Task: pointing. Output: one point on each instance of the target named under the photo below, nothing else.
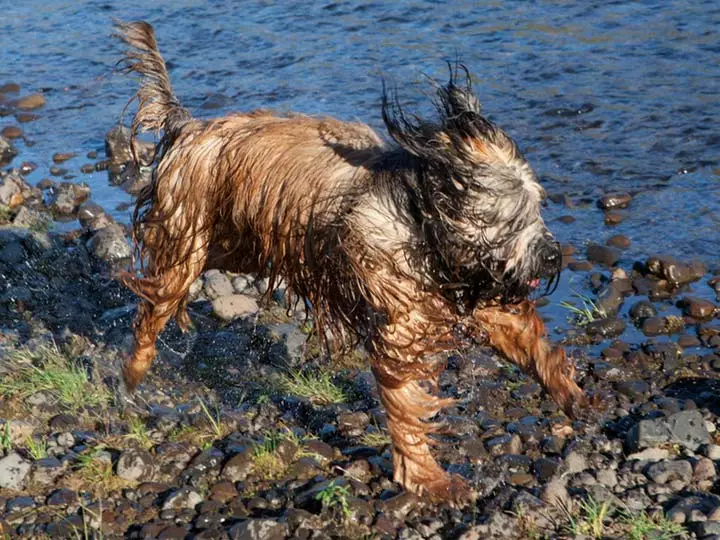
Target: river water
(602, 97)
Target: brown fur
(307, 200)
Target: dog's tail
(158, 108)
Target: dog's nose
(550, 255)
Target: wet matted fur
(411, 246)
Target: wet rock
(504, 444)
(603, 255)
(580, 266)
(135, 465)
(67, 197)
(239, 466)
(613, 218)
(110, 245)
(28, 218)
(615, 201)
(183, 498)
(13, 190)
(704, 469)
(217, 285)
(61, 157)
(686, 428)
(642, 310)
(122, 170)
(62, 497)
(608, 327)
(234, 306)
(13, 471)
(257, 529)
(11, 132)
(92, 217)
(400, 505)
(7, 151)
(697, 308)
(45, 471)
(611, 297)
(619, 241)
(676, 272)
(353, 424)
(664, 472)
(556, 494)
(31, 102)
(290, 340)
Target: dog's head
(478, 200)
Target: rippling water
(610, 96)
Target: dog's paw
(452, 490)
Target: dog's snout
(550, 256)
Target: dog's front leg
(409, 410)
(518, 333)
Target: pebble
(217, 285)
(62, 497)
(28, 103)
(666, 471)
(11, 132)
(109, 244)
(686, 428)
(613, 218)
(697, 308)
(606, 328)
(615, 201)
(61, 157)
(603, 255)
(182, 498)
(13, 471)
(234, 306)
(258, 529)
(239, 466)
(619, 241)
(135, 465)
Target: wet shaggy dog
(412, 246)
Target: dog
(412, 246)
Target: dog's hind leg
(518, 333)
(163, 295)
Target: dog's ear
(463, 139)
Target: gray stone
(12, 188)
(575, 462)
(257, 529)
(604, 255)
(135, 465)
(109, 244)
(30, 219)
(67, 197)
(13, 471)
(707, 528)
(242, 283)
(92, 217)
(183, 498)
(7, 151)
(555, 493)
(45, 471)
(650, 454)
(235, 306)
(239, 466)
(686, 428)
(217, 285)
(666, 471)
(607, 477)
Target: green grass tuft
(318, 387)
(641, 526)
(585, 314)
(37, 448)
(45, 369)
(589, 519)
(335, 496)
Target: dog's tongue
(534, 283)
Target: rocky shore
(244, 430)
